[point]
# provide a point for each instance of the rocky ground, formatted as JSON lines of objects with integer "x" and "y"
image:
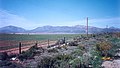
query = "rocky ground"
{"x": 115, "y": 63}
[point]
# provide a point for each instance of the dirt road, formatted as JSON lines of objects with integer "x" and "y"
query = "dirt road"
{"x": 24, "y": 48}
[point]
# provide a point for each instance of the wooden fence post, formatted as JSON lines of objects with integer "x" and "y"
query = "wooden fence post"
{"x": 20, "y": 47}
{"x": 36, "y": 43}
{"x": 64, "y": 39}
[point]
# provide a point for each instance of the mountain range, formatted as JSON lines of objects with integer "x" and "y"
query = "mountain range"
{"x": 58, "y": 29}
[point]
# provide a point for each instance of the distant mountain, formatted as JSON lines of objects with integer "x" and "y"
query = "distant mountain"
{"x": 12, "y": 29}
{"x": 58, "y": 29}
{"x": 111, "y": 29}
{"x": 66, "y": 29}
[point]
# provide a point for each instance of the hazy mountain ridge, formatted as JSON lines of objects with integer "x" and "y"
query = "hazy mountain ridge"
{"x": 58, "y": 29}
{"x": 12, "y": 29}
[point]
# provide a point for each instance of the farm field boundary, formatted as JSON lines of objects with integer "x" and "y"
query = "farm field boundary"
{"x": 25, "y": 46}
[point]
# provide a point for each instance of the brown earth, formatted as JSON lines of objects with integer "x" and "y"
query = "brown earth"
{"x": 27, "y": 44}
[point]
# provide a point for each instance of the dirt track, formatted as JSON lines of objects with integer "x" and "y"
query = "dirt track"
{"x": 24, "y": 48}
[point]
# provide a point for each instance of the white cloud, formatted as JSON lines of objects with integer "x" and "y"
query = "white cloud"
{"x": 7, "y": 19}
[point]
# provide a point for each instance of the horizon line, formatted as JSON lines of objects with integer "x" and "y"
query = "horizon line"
{"x": 58, "y": 26}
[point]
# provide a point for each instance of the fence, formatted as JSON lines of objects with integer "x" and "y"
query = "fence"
{"x": 18, "y": 47}
{"x": 11, "y": 46}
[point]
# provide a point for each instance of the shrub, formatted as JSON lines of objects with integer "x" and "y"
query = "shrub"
{"x": 59, "y": 47}
{"x": 64, "y": 46}
{"x": 104, "y": 47}
{"x": 46, "y": 62}
{"x": 61, "y": 41}
{"x": 3, "y": 56}
{"x": 73, "y": 43}
{"x": 54, "y": 50}
{"x": 4, "y": 63}
{"x": 28, "y": 54}
{"x": 59, "y": 61}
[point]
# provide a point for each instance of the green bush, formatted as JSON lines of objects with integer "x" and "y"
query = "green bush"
{"x": 59, "y": 61}
{"x": 73, "y": 43}
{"x": 54, "y": 50}
{"x": 28, "y": 54}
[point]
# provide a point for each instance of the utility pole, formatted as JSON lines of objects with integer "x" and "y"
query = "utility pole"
{"x": 87, "y": 27}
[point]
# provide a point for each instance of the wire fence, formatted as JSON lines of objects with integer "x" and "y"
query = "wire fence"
{"x": 12, "y": 46}
{"x": 25, "y": 45}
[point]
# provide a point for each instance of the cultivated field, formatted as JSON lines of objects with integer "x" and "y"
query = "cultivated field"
{"x": 22, "y": 37}
{"x": 10, "y": 42}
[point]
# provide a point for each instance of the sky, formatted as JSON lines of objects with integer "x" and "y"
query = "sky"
{"x": 30, "y": 14}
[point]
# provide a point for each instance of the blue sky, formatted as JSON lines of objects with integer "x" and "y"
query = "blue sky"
{"x": 30, "y": 14}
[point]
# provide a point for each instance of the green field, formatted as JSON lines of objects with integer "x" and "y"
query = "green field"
{"x": 22, "y": 37}
{"x": 8, "y": 41}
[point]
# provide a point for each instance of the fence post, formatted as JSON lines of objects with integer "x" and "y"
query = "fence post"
{"x": 20, "y": 47}
{"x": 64, "y": 39}
{"x": 36, "y": 43}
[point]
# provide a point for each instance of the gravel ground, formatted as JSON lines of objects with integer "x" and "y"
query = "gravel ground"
{"x": 111, "y": 64}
